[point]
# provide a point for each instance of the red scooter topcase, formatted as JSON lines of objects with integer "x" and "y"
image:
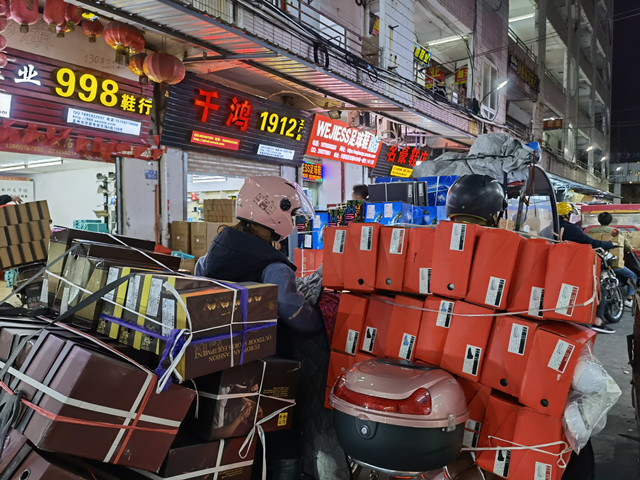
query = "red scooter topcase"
{"x": 399, "y": 416}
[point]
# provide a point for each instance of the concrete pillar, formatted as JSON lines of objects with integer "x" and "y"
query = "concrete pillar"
{"x": 540, "y": 49}
{"x": 173, "y": 190}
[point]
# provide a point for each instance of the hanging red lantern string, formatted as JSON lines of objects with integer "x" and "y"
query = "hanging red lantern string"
{"x": 3, "y": 24}
{"x": 53, "y": 13}
{"x": 24, "y": 12}
{"x": 164, "y": 69}
{"x": 73, "y": 16}
{"x": 4, "y": 7}
{"x": 136, "y": 65}
{"x": 125, "y": 39}
{"x": 3, "y": 43}
{"x": 3, "y": 60}
{"x": 92, "y": 29}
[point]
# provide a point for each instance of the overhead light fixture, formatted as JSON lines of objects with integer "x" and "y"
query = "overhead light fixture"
{"x": 618, "y": 169}
{"x": 444, "y": 40}
{"x": 44, "y": 164}
{"x": 522, "y": 17}
{"x": 589, "y": 148}
{"x": 44, "y": 160}
{"x": 502, "y": 84}
{"x": 208, "y": 179}
{"x": 12, "y": 166}
{"x": 603, "y": 159}
{"x": 550, "y": 119}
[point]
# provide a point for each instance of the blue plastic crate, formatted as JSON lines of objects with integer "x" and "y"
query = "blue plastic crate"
{"x": 91, "y": 225}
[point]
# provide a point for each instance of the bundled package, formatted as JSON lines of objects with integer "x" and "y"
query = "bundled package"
{"x": 360, "y": 256}
{"x": 334, "y": 257}
{"x": 419, "y": 259}
{"x": 392, "y": 253}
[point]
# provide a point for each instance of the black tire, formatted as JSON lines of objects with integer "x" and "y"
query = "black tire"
{"x": 614, "y": 308}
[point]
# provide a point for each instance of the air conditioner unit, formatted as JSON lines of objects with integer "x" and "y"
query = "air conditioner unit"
{"x": 389, "y": 131}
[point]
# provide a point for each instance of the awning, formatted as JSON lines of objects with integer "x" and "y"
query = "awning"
{"x": 561, "y": 183}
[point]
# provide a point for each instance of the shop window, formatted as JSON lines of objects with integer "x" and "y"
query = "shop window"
{"x": 489, "y": 93}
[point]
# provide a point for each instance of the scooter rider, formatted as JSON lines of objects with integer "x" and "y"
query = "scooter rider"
{"x": 480, "y": 199}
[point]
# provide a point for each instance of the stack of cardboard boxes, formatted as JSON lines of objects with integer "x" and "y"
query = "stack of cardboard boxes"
{"x": 618, "y": 250}
{"x": 91, "y": 388}
{"x": 507, "y": 315}
{"x": 219, "y": 211}
{"x": 24, "y": 233}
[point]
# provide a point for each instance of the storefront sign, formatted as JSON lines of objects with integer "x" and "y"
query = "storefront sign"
{"x": 17, "y": 187}
{"x": 461, "y": 76}
{"x": 398, "y": 171}
{"x": 525, "y": 73}
{"x": 406, "y": 156}
{"x": 420, "y": 53}
{"x": 553, "y": 124}
{"x": 5, "y": 105}
{"x": 103, "y": 122}
{"x": 336, "y": 140}
{"x": 433, "y": 73}
{"x": 211, "y": 118}
{"x": 312, "y": 172}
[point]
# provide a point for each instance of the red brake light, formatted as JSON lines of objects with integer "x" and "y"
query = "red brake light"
{"x": 419, "y": 403}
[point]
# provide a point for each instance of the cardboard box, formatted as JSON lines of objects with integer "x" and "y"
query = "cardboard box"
{"x": 188, "y": 265}
{"x": 392, "y": 254}
{"x": 508, "y": 354}
{"x": 389, "y": 213}
{"x": 508, "y": 425}
{"x": 494, "y": 260}
{"x": 404, "y": 328}
{"x": 466, "y": 346}
{"x": 418, "y": 262}
{"x": 219, "y": 211}
{"x": 376, "y": 325}
{"x": 434, "y": 328}
{"x": 110, "y": 389}
{"x": 23, "y": 213}
{"x": 552, "y": 361}
{"x": 361, "y": 255}
{"x": 22, "y": 253}
{"x": 452, "y": 257}
{"x": 334, "y": 257}
{"x": 618, "y": 250}
{"x": 352, "y": 311}
{"x": 306, "y": 261}
{"x": 234, "y": 400}
{"x": 571, "y": 283}
{"x": 202, "y": 234}
{"x": 526, "y": 294}
{"x": 477, "y": 396}
{"x": 181, "y": 236}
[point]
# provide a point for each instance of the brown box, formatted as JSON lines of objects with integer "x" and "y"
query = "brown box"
{"x": 202, "y": 234}
{"x": 188, "y": 265}
{"x": 181, "y": 236}
{"x": 233, "y": 400}
{"x": 112, "y": 391}
{"x": 22, "y": 253}
{"x": 618, "y": 250}
{"x": 218, "y": 210}
{"x": 4, "y": 237}
{"x": 25, "y": 212}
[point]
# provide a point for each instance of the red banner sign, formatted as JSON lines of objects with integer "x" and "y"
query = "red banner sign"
{"x": 553, "y": 124}
{"x": 336, "y": 140}
{"x": 461, "y": 76}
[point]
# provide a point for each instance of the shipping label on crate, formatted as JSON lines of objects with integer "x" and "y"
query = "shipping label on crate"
{"x": 369, "y": 339}
{"x": 425, "y": 281}
{"x": 339, "y": 240}
{"x": 471, "y": 433}
{"x": 518, "y": 339}
{"x": 536, "y": 301}
{"x": 495, "y": 291}
{"x": 444, "y": 314}
{"x": 543, "y": 471}
{"x": 501, "y": 465}
{"x": 458, "y": 234}
{"x": 352, "y": 342}
{"x": 397, "y": 241}
{"x": 561, "y": 356}
{"x": 472, "y": 360}
{"x": 567, "y": 299}
{"x": 366, "y": 239}
{"x": 406, "y": 348}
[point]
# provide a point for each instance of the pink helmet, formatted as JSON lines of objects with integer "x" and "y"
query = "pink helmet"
{"x": 272, "y": 202}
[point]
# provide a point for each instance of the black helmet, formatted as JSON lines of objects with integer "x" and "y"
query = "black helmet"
{"x": 479, "y": 196}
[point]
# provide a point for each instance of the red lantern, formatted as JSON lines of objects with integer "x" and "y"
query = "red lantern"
{"x": 4, "y": 7}
{"x": 92, "y": 29}
{"x": 164, "y": 69}
{"x": 136, "y": 65}
{"x": 3, "y": 43}
{"x": 24, "y": 12}
{"x": 53, "y": 13}
{"x": 3, "y": 60}
{"x": 125, "y": 39}
{"x": 73, "y": 16}
{"x": 3, "y": 24}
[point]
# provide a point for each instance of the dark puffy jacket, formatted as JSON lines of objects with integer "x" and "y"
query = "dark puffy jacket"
{"x": 573, "y": 233}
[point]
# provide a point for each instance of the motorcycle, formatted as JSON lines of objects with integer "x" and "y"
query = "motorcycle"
{"x": 610, "y": 289}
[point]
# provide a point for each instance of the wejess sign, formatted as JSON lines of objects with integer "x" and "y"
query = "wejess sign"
{"x": 210, "y": 118}
{"x": 335, "y": 140}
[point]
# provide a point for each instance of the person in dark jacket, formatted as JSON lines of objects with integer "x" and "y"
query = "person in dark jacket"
{"x": 573, "y": 233}
{"x": 4, "y": 199}
{"x": 266, "y": 209}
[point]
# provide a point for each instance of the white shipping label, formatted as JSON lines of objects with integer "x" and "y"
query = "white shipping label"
{"x": 338, "y": 241}
{"x": 44, "y": 294}
{"x": 495, "y": 291}
{"x": 406, "y": 348}
{"x": 518, "y": 339}
{"x": 444, "y": 314}
{"x": 316, "y": 222}
{"x": 471, "y": 363}
{"x": 114, "y": 273}
{"x": 132, "y": 292}
{"x": 501, "y": 465}
{"x": 458, "y": 234}
{"x": 536, "y": 301}
{"x": 388, "y": 210}
{"x": 425, "y": 281}
{"x": 366, "y": 239}
{"x": 543, "y": 471}
{"x": 567, "y": 299}
{"x": 471, "y": 433}
{"x": 153, "y": 303}
{"x": 308, "y": 241}
{"x": 561, "y": 356}
{"x": 168, "y": 316}
{"x": 371, "y": 212}
{"x": 397, "y": 241}
{"x": 352, "y": 342}
{"x": 64, "y": 305}
{"x": 369, "y": 339}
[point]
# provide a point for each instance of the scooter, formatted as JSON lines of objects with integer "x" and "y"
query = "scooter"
{"x": 610, "y": 288}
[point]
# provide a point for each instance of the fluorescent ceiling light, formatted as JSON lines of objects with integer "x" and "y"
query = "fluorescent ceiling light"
{"x": 603, "y": 159}
{"x": 44, "y": 160}
{"x": 45, "y": 164}
{"x": 618, "y": 169}
{"x": 589, "y": 148}
{"x": 550, "y": 119}
{"x": 522, "y": 17}
{"x": 502, "y": 84}
{"x": 13, "y": 166}
{"x": 444, "y": 40}
{"x": 208, "y": 179}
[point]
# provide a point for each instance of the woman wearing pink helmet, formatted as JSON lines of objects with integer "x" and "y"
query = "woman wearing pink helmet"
{"x": 266, "y": 209}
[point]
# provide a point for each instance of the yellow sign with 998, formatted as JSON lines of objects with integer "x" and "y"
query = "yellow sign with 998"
{"x": 91, "y": 89}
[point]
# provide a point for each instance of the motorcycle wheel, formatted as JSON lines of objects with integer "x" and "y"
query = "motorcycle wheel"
{"x": 615, "y": 306}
